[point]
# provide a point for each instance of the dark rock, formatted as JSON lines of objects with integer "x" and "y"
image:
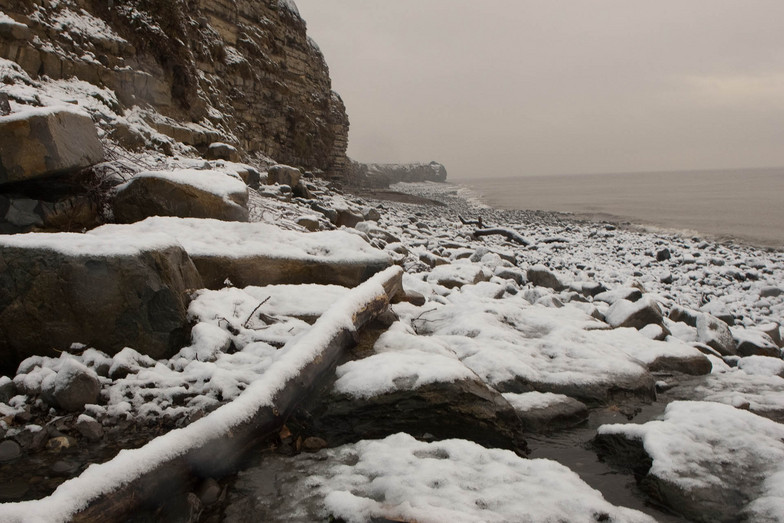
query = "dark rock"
{"x": 465, "y": 409}
{"x": 761, "y": 345}
{"x": 770, "y": 292}
{"x": 42, "y": 142}
{"x": 5, "y": 106}
{"x": 541, "y": 276}
{"x": 716, "y": 334}
{"x": 663, "y": 255}
{"x": 52, "y": 295}
{"x": 162, "y": 194}
{"x": 9, "y": 451}
{"x": 556, "y": 414}
{"x": 222, "y": 151}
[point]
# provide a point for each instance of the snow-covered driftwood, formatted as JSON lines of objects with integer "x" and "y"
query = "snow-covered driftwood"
{"x": 217, "y": 443}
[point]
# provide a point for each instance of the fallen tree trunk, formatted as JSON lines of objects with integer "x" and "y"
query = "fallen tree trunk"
{"x": 509, "y": 234}
{"x": 218, "y": 443}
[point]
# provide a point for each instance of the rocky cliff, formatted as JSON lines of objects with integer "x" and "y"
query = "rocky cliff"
{"x": 381, "y": 175}
{"x": 201, "y": 71}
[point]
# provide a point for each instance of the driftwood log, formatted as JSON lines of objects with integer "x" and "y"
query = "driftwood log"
{"x": 509, "y": 234}
{"x": 477, "y": 222}
{"x": 218, "y": 444}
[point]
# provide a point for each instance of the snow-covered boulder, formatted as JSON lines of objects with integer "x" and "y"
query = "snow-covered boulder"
{"x": 708, "y": 461}
{"x": 716, "y": 334}
{"x": 541, "y": 276}
{"x": 187, "y": 193}
{"x": 283, "y": 175}
{"x": 222, "y": 151}
{"x": 753, "y": 342}
{"x": 73, "y": 386}
{"x": 402, "y": 479}
{"x": 41, "y": 142}
{"x": 638, "y": 314}
{"x": 106, "y": 291}
{"x": 263, "y": 254}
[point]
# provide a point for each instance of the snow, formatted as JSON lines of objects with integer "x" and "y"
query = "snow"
{"x": 535, "y": 400}
{"x": 215, "y": 182}
{"x": 762, "y": 366}
{"x": 207, "y": 237}
{"x": 76, "y": 494}
{"x": 90, "y": 245}
{"x": 704, "y": 445}
{"x": 399, "y": 478}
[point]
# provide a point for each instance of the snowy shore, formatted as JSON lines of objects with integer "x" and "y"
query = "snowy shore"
{"x": 581, "y": 316}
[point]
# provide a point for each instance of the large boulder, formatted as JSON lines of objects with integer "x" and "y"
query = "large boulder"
{"x": 42, "y": 142}
{"x": 105, "y": 291}
{"x": 541, "y": 276}
{"x": 186, "y": 193}
{"x": 263, "y": 254}
{"x": 284, "y": 175}
{"x": 716, "y": 334}
{"x": 638, "y": 314}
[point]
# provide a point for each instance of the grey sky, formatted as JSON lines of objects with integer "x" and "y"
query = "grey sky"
{"x": 516, "y": 87}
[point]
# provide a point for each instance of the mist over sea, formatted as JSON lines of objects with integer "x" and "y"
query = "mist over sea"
{"x": 745, "y": 204}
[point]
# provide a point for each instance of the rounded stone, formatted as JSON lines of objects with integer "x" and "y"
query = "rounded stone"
{"x": 9, "y": 451}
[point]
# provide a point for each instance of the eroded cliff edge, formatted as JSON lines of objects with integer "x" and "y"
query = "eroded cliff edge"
{"x": 244, "y": 72}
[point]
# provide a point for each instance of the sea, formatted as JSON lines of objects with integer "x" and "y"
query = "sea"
{"x": 741, "y": 205}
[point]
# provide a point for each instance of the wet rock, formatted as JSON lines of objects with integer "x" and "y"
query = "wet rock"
{"x": 32, "y": 437}
{"x": 466, "y": 409}
{"x": 75, "y": 386}
{"x": 624, "y": 313}
{"x": 60, "y": 443}
{"x": 9, "y": 451}
{"x": 42, "y": 142}
{"x": 222, "y": 151}
{"x": 545, "y": 412}
{"x": 119, "y": 291}
{"x": 64, "y": 468}
{"x": 541, "y": 276}
{"x": 313, "y": 444}
{"x": 209, "y": 491}
{"x": 716, "y": 334}
{"x": 184, "y": 193}
{"x": 89, "y": 428}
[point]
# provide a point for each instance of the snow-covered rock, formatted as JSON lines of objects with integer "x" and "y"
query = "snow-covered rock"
{"x": 187, "y": 193}
{"x": 262, "y": 254}
{"x": 708, "y": 461}
{"x": 41, "y": 142}
{"x": 716, "y": 334}
{"x": 400, "y": 478}
{"x": 638, "y": 314}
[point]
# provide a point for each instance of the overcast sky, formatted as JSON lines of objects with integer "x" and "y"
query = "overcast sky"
{"x": 517, "y": 87}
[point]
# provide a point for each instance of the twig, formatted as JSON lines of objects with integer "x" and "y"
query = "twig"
{"x": 245, "y": 323}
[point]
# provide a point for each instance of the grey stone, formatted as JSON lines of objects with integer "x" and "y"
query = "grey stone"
{"x": 7, "y": 389}
{"x": 716, "y": 334}
{"x": 52, "y": 296}
{"x": 663, "y": 255}
{"x": 283, "y": 175}
{"x": 222, "y": 151}
{"x": 771, "y": 292}
{"x": 89, "y": 428}
{"x": 541, "y": 276}
{"x": 43, "y": 142}
{"x": 624, "y": 313}
{"x": 22, "y": 212}
{"x": 75, "y": 386}
{"x": 209, "y": 491}
{"x": 9, "y": 451}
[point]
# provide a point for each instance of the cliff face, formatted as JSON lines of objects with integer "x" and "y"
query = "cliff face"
{"x": 381, "y": 175}
{"x": 238, "y": 71}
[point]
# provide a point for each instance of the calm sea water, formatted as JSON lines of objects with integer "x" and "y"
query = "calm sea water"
{"x": 745, "y": 205}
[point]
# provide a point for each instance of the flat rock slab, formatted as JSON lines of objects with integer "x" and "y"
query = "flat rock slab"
{"x": 708, "y": 461}
{"x": 262, "y": 254}
{"x": 108, "y": 292}
{"x": 187, "y": 193}
{"x": 46, "y": 141}
{"x": 402, "y": 479}
{"x": 518, "y": 347}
